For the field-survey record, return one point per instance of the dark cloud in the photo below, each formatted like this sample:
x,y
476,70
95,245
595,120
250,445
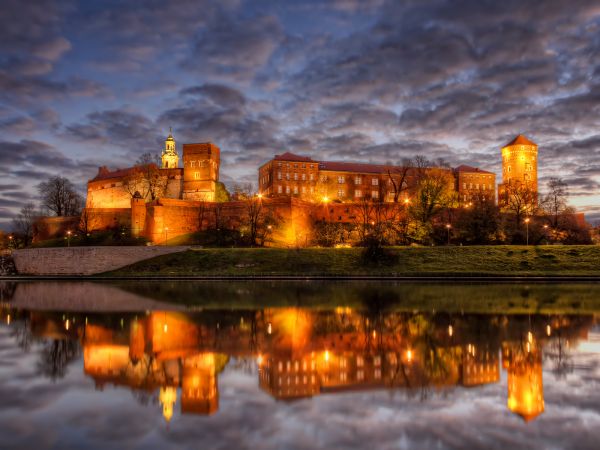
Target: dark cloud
x,y
374,80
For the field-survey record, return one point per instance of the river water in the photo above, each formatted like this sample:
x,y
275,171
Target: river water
x,y
298,365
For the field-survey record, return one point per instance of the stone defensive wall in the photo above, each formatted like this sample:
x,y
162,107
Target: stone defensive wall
x,y
168,218
83,260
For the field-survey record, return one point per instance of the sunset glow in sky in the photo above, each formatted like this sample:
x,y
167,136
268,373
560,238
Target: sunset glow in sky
x,y
85,84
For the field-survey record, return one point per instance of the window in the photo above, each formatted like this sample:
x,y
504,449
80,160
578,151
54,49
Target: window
x,y
192,164
287,189
295,189
508,169
470,185
477,186
304,166
278,164
375,181
201,163
312,190
287,175
464,185
196,175
295,166
304,189
528,167
341,193
279,175
279,189
303,177
464,198
296,176
324,178
341,180
358,193
312,176
357,180
374,194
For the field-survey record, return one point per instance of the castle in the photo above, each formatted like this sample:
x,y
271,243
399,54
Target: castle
x,y
160,200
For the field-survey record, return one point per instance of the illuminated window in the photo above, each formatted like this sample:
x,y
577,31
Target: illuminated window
x,y
312,176
324,178
359,361
341,180
508,169
357,180
375,181
358,193
196,175
304,189
377,360
295,189
279,175
295,176
374,194
287,175
464,185
192,164
304,166
303,177
341,193
287,189
295,166
360,375
279,189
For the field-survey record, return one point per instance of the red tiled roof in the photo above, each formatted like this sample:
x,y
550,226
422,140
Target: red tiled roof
x,y
520,140
287,156
465,168
339,166
105,174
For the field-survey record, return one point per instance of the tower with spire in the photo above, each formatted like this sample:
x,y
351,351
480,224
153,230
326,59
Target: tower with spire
x,y
170,159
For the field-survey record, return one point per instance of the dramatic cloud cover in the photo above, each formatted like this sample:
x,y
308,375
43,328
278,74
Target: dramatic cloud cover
x,y
84,84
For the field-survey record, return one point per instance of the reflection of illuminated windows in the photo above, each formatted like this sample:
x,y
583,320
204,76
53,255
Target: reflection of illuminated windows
x,y
377,374
343,376
280,366
377,360
296,366
360,375
359,361
343,363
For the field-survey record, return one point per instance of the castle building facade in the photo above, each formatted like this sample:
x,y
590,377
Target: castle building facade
x,y
519,167
311,180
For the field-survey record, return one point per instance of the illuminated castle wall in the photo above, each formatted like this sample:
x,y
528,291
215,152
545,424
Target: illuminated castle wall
x,y
519,167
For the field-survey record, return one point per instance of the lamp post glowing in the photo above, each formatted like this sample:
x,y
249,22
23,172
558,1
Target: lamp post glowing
x,y
448,226
527,231
69,238
10,241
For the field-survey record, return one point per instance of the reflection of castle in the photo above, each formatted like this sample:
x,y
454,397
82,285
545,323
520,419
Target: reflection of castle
x,y
302,353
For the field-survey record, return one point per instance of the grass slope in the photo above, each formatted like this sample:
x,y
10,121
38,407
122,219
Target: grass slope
x,y
407,261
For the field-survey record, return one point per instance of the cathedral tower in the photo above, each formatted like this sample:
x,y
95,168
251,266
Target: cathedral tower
x,y
170,159
519,166
200,171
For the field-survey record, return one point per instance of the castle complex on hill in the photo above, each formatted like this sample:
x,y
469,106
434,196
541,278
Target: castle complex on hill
x,y
295,187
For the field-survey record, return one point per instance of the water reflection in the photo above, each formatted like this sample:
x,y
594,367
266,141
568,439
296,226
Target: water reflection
x,y
297,353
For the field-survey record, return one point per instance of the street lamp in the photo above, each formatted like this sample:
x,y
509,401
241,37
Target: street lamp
x,y
527,231
259,195
448,226
69,238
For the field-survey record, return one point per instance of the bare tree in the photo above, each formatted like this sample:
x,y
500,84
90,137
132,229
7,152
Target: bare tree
x,y
89,220
134,182
554,202
521,201
398,177
149,166
23,223
59,196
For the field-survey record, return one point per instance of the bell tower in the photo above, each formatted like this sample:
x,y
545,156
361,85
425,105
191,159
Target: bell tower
x,y
170,159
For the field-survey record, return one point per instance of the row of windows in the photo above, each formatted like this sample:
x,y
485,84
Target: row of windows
x,y
302,176
193,164
287,165
483,186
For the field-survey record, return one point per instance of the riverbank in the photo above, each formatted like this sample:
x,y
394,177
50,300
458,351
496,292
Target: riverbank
x,y
413,262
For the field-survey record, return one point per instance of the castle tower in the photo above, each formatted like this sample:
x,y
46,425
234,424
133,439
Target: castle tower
x,y
200,171
519,166
170,159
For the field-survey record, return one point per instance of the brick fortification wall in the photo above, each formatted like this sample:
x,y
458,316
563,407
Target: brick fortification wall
x,y
83,260
168,218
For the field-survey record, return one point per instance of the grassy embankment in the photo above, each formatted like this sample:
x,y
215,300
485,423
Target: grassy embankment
x,y
404,261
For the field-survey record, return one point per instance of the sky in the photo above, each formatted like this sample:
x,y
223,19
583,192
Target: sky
x,y
85,84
